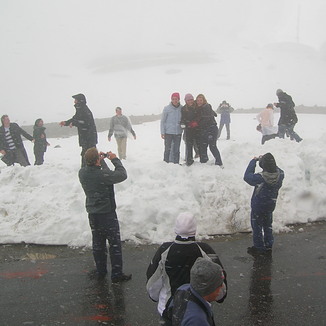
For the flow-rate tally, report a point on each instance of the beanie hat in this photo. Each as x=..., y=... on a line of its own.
x=267, y=163
x=270, y=105
x=185, y=225
x=206, y=276
x=175, y=95
x=188, y=97
x=80, y=98
x=279, y=91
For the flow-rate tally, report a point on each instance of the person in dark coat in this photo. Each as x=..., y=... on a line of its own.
x=98, y=182
x=189, y=122
x=288, y=118
x=263, y=201
x=11, y=144
x=40, y=143
x=208, y=131
x=224, y=110
x=84, y=121
x=171, y=264
x=191, y=304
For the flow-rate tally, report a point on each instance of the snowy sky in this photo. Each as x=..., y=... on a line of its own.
x=134, y=54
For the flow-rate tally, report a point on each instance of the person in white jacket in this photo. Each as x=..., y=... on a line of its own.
x=266, y=121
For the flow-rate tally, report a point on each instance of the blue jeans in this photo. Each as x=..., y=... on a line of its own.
x=282, y=129
x=172, y=142
x=262, y=231
x=106, y=227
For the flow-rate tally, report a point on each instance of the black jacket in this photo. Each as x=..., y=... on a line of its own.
x=84, y=121
x=286, y=105
x=16, y=133
x=97, y=182
x=40, y=143
x=206, y=116
x=189, y=117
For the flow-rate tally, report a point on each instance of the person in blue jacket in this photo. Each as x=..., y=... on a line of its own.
x=171, y=130
x=263, y=201
x=191, y=304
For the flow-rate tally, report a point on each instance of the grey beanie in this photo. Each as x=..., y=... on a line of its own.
x=206, y=276
x=279, y=91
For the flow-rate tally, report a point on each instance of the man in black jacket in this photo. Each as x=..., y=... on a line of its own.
x=84, y=121
x=288, y=117
x=97, y=181
x=11, y=144
x=171, y=264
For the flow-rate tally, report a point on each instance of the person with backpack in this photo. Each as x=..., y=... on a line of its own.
x=171, y=264
x=288, y=118
x=263, y=201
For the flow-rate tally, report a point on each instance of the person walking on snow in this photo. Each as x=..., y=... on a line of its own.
x=266, y=121
x=263, y=201
x=224, y=110
x=120, y=126
x=171, y=130
x=84, y=121
x=288, y=118
x=40, y=143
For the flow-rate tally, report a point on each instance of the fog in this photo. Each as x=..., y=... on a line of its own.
x=134, y=54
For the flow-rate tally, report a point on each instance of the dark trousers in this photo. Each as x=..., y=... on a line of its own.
x=262, y=231
x=288, y=129
x=191, y=137
x=227, y=126
x=172, y=142
x=106, y=227
x=17, y=155
x=208, y=137
x=39, y=157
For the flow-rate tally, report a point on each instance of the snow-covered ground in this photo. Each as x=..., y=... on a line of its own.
x=45, y=204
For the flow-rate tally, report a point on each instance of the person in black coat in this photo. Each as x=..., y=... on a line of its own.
x=11, y=144
x=84, y=121
x=40, y=143
x=98, y=182
x=288, y=117
x=208, y=130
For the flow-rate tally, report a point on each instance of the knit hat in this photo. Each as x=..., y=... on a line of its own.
x=279, y=91
x=206, y=276
x=188, y=97
x=267, y=163
x=80, y=98
x=185, y=225
x=270, y=105
x=175, y=95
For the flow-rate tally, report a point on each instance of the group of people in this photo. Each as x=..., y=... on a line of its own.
x=11, y=144
x=197, y=120
x=286, y=123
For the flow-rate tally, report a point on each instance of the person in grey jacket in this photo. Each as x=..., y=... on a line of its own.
x=97, y=181
x=120, y=126
x=171, y=130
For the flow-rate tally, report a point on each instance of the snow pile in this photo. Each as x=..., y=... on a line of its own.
x=45, y=204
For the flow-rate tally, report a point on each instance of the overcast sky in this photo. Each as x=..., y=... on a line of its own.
x=53, y=49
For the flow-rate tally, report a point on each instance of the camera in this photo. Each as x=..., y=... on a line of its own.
x=105, y=155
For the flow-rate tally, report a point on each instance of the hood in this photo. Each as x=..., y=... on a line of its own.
x=271, y=178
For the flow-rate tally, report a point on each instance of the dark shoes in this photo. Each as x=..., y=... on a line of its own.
x=121, y=278
x=258, y=252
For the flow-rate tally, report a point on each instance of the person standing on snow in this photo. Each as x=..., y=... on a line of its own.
x=84, y=121
x=171, y=130
x=171, y=264
x=120, y=126
x=189, y=122
x=208, y=130
x=98, y=182
x=266, y=121
x=263, y=201
x=40, y=144
x=11, y=144
x=288, y=117
x=224, y=110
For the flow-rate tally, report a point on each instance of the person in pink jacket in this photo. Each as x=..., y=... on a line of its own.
x=266, y=121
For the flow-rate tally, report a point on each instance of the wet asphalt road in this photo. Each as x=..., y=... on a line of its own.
x=49, y=285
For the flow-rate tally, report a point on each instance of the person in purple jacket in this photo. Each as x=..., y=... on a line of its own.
x=263, y=201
